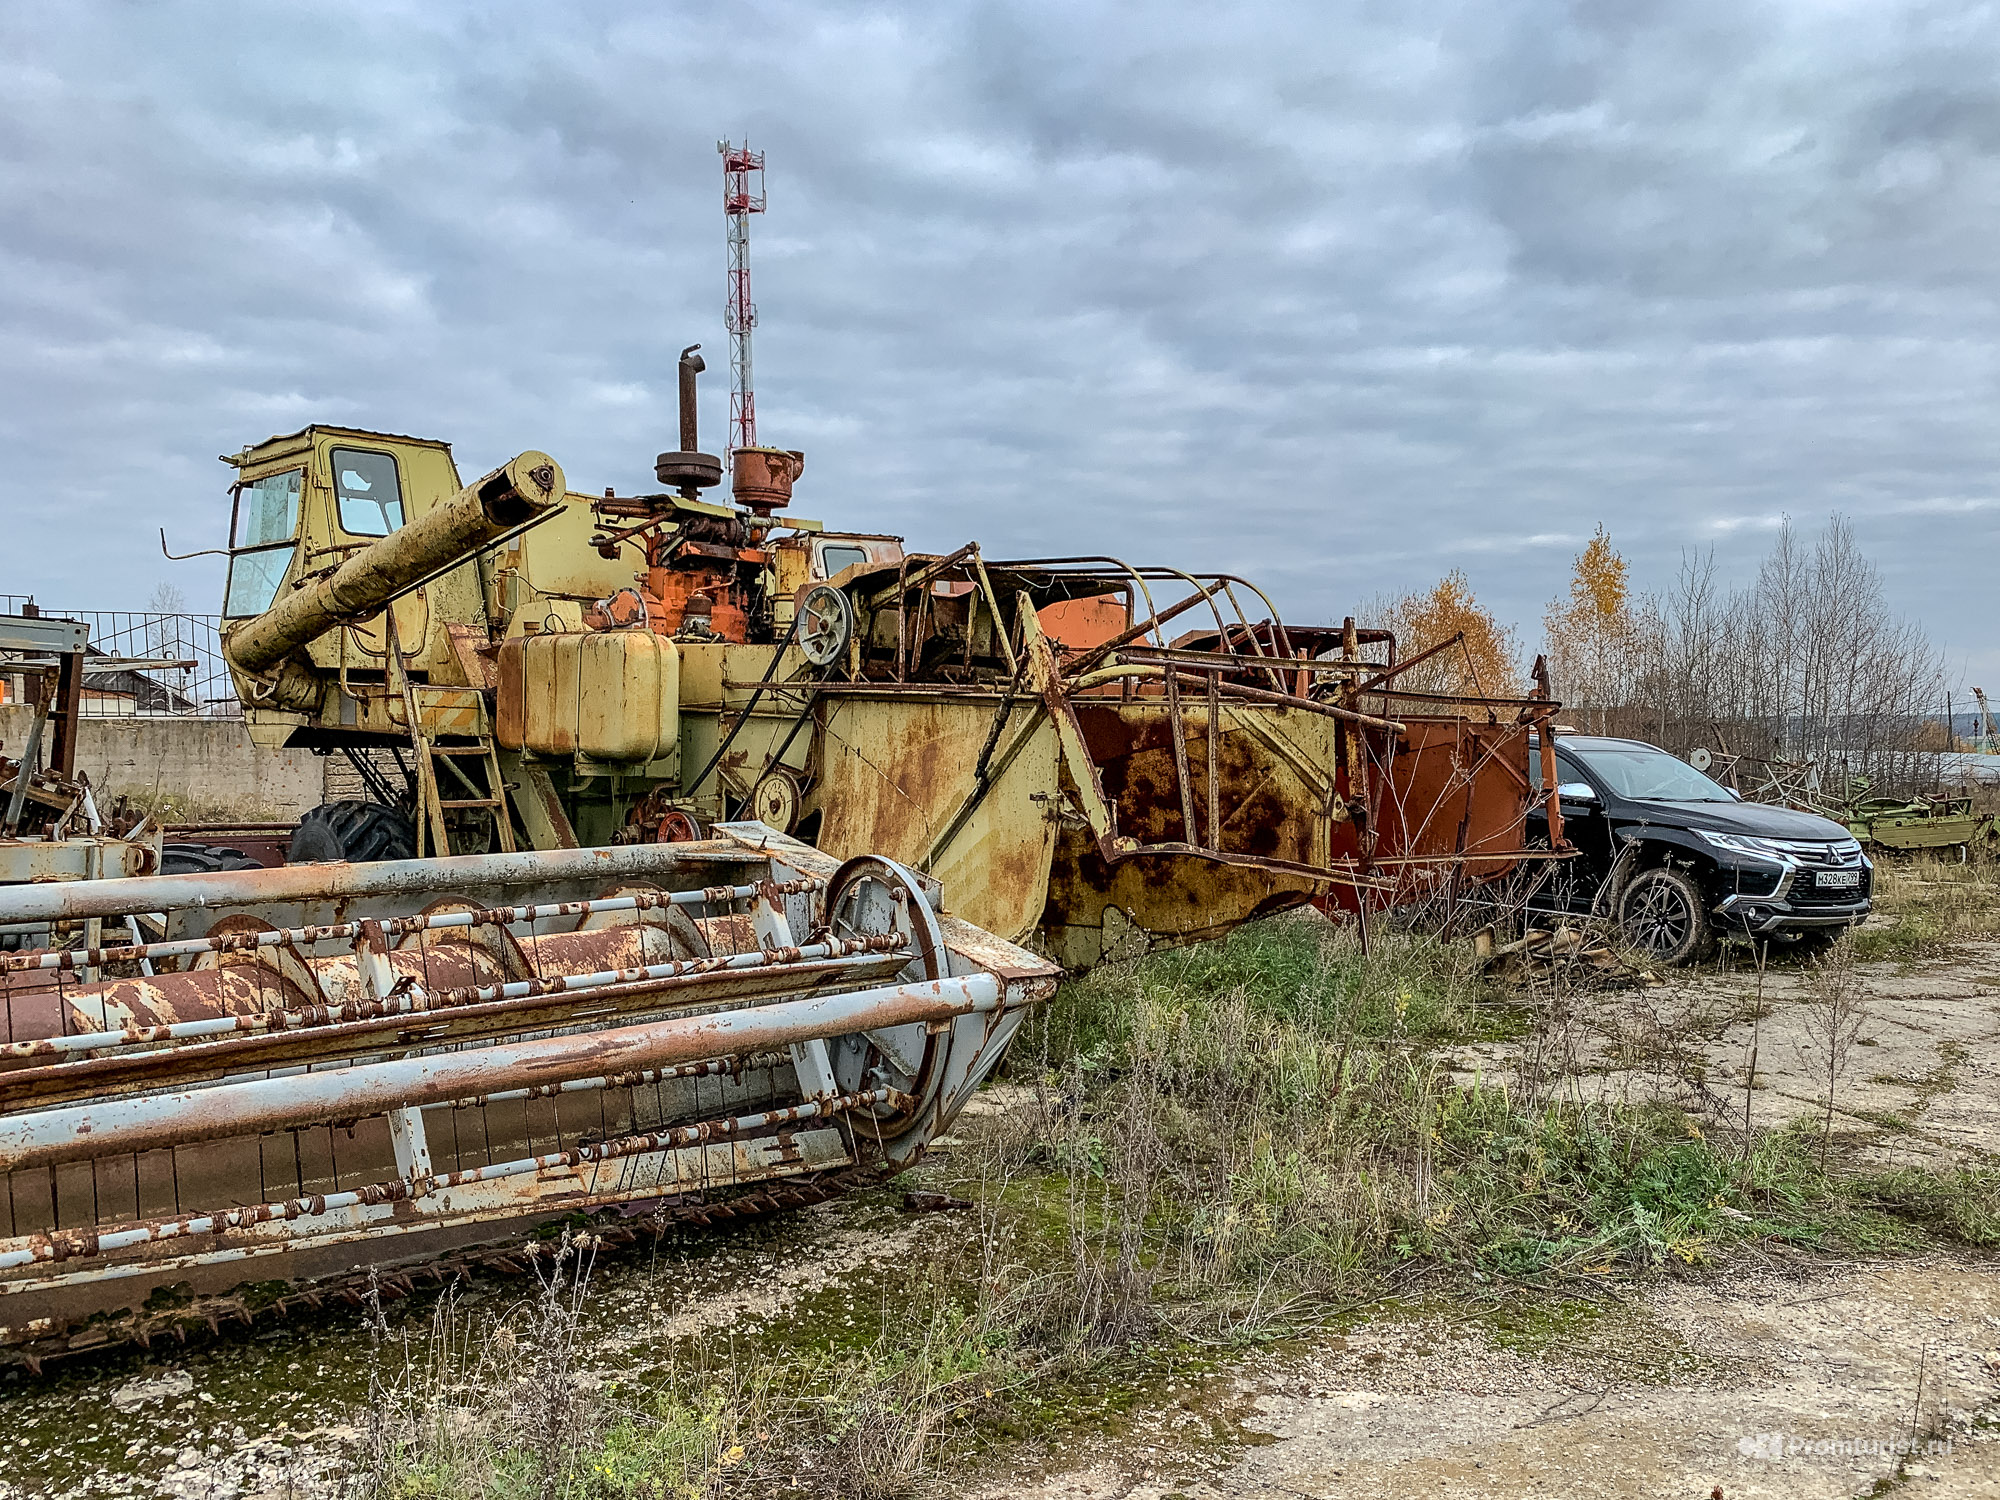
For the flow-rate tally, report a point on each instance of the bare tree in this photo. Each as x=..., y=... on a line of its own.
x=1806, y=663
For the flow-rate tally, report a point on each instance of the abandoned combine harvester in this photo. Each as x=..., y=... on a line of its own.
x=1076, y=748
x=561, y=976
x=322, y=1073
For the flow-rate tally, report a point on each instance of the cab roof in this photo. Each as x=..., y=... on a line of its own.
x=283, y=443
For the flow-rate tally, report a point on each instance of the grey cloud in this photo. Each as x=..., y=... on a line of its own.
x=1340, y=297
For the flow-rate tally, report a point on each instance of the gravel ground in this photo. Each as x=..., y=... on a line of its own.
x=1790, y=1377
x=1782, y=1382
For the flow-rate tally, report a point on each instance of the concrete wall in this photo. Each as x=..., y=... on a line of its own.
x=208, y=766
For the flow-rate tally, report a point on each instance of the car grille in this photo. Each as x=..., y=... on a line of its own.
x=1815, y=854
x=1819, y=854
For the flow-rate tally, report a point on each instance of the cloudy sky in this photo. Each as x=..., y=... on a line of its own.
x=1338, y=295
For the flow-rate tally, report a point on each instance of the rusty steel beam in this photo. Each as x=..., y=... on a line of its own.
x=1244, y=690
x=64, y=1245
x=69, y=900
x=725, y=1067
x=335, y=1037
x=1308, y=705
x=791, y=965
x=250, y=1107
x=494, y=916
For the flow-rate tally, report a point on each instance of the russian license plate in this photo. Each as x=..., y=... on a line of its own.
x=1850, y=879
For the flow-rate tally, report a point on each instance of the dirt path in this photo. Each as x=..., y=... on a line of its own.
x=1691, y=1389
x=1920, y=1086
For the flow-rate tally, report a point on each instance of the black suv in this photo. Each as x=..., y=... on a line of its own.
x=1680, y=861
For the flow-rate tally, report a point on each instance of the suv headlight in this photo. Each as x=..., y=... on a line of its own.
x=1743, y=843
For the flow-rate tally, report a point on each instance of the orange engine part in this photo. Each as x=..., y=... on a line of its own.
x=670, y=596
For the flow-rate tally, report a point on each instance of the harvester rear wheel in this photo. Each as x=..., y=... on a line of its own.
x=203, y=859
x=354, y=831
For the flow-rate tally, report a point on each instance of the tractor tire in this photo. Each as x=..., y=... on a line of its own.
x=203, y=859
x=1663, y=916
x=355, y=831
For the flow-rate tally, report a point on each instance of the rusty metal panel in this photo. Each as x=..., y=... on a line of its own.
x=1457, y=795
x=1278, y=804
x=1078, y=624
x=895, y=773
x=25, y=860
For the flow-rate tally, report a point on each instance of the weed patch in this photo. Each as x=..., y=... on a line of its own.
x=1210, y=1148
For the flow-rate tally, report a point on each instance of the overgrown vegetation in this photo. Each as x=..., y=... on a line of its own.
x=1214, y=1146
x=1930, y=904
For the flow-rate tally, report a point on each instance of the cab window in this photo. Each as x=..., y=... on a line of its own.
x=267, y=510
x=369, y=499
x=261, y=533
x=832, y=558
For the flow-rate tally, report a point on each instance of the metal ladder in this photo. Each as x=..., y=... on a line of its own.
x=492, y=796
x=428, y=753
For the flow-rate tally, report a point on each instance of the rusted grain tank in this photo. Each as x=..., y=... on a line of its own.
x=313, y=1077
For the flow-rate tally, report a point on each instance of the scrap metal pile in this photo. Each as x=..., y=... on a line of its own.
x=1078, y=748
x=51, y=827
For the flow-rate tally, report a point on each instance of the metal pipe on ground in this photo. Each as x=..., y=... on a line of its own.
x=253, y=1106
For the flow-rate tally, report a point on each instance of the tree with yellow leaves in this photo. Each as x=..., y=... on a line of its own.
x=1484, y=666
x=1597, y=635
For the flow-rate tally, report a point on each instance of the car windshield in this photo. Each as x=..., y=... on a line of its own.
x=1646, y=774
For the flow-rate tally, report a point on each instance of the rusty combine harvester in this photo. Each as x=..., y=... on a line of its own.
x=701, y=842
x=317, y=1071
x=1077, y=748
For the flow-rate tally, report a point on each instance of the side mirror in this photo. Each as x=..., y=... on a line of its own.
x=1577, y=791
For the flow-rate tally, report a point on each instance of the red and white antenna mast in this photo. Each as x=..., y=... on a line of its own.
x=739, y=314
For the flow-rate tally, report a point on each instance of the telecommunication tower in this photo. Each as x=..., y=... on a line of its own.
x=739, y=201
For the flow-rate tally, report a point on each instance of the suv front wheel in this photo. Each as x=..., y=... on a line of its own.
x=1662, y=914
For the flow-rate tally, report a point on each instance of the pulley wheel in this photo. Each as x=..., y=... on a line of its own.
x=826, y=624
x=677, y=827
x=775, y=800
x=871, y=897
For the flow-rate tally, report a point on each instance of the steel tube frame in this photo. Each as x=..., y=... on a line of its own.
x=67, y=1244
x=139, y=895
x=249, y=1107
x=724, y=1067
x=497, y=916
x=419, y=1001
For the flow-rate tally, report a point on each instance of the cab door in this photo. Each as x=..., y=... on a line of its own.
x=1586, y=825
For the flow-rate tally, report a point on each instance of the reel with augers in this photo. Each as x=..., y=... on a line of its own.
x=310, y=1079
